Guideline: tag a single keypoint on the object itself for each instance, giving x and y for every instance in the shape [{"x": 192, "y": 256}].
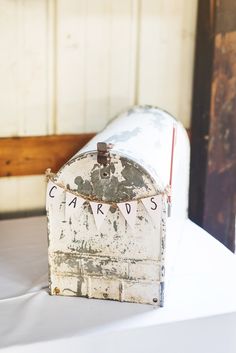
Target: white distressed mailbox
[{"x": 107, "y": 208}]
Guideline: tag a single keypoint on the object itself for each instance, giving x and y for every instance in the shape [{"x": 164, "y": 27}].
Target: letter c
[{"x": 50, "y": 192}]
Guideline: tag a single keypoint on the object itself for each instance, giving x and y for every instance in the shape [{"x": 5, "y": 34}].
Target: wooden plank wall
[
  {"x": 68, "y": 66},
  {"x": 20, "y": 156},
  {"x": 213, "y": 173}
]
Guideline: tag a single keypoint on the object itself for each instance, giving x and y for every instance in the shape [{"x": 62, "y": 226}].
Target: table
[{"x": 199, "y": 313}]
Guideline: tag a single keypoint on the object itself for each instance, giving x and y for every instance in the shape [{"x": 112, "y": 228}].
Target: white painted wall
[{"x": 68, "y": 66}]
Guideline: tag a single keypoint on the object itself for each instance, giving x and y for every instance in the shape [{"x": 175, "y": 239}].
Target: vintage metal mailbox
[{"x": 107, "y": 210}]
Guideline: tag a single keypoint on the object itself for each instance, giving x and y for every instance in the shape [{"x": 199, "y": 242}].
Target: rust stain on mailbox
[{"x": 115, "y": 260}]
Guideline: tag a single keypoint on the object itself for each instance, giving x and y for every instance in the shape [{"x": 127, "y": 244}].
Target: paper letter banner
[
  {"x": 153, "y": 206},
  {"x": 53, "y": 191},
  {"x": 128, "y": 210},
  {"x": 99, "y": 211},
  {"x": 73, "y": 204}
]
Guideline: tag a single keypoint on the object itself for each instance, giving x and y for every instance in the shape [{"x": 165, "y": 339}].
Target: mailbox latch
[{"x": 103, "y": 156}]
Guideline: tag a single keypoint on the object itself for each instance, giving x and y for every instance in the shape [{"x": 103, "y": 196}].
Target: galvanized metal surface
[{"x": 117, "y": 262}]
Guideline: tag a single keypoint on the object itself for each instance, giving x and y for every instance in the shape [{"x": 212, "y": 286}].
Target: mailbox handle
[{"x": 103, "y": 155}]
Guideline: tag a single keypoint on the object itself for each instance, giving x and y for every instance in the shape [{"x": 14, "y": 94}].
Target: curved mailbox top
[
  {"x": 144, "y": 135},
  {"x": 141, "y": 153}
]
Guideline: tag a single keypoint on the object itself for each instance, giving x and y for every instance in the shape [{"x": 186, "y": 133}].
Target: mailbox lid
[
  {"x": 123, "y": 179},
  {"x": 140, "y": 163},
  {"x": 139, "y": 166},
  {"x": 144, "y": 135}
]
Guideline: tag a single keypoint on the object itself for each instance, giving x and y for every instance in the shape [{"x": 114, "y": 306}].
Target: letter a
[{"x": 73, "y": 202}]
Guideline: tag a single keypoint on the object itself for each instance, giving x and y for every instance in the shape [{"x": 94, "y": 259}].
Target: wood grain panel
[
  {"x": 213, "y": 171},
  {"x": 33, "y": 155},
  {"x": 220, "y": 206}
]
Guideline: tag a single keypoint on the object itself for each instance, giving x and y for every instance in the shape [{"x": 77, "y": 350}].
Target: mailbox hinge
[{"x": 103, "y": 156}]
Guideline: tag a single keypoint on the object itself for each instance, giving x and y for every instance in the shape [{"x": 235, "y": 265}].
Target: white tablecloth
[{"x": 199, "y": 313}]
